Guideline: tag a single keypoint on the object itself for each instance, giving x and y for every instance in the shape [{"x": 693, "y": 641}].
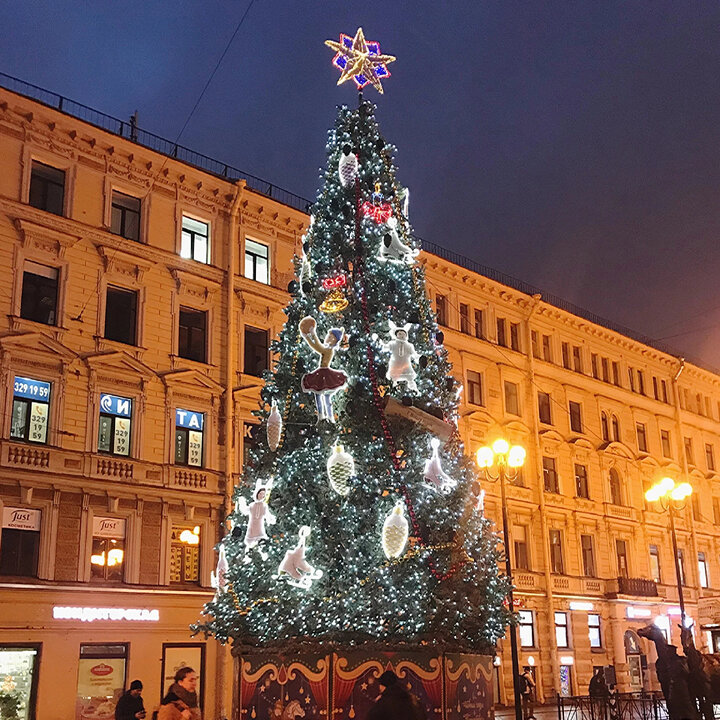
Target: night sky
[{"x": 574, "y": 145}]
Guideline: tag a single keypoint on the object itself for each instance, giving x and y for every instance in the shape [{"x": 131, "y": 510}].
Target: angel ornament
[
  {"x": 324, "y": 382},
  {"x": 402, "y": 353},
  {"x": 258, "y": 514},
  {"x": 297, "y": 570}
]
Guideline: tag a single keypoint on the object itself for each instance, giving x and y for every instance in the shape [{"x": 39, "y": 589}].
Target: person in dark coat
[
  {"x": 395, "y": 703},
  {"x": 130, "y": 706},
  {"x": 598, "y": 687}
]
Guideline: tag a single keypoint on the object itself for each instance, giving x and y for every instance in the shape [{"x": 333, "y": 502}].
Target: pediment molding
[
  {"x": 120, "y": 362},
  {"x": 189, "y": 378},
  {"x": 123, "y": 264},
  {"x": 53, "y": 238},
  {"x": 194, "y": 286},
  {"x": 36, "y": 346}
]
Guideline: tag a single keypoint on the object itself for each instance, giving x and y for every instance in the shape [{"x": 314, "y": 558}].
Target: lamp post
[
  {"x": 671, "y": 497},
  {"x": 506, "y": 460}
]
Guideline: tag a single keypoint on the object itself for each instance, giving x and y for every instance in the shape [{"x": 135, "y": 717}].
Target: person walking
[
  {"x": 395, "y": 702},
  {"x": 598, "y": 687},
  {"x": 181, "y": 701},
  {"x": 130, "y": 705},
  {"x": 527, "y": 691}
]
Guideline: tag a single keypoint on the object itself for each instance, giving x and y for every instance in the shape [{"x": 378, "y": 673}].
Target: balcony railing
[{"x": 638, "y": 587}]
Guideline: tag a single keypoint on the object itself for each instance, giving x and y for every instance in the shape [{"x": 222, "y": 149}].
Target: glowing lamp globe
[
  {"x": 682, "y": 491},
  {"x": 484, "y": 457},
  {"x": 666, "y": 485},
  {"x": 516, "y": 457},
  {"x": 501, "y": 446}
]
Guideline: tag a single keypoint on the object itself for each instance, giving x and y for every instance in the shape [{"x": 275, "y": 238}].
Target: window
[
  {"x": 250, "y": 440},
  {"x": 615, "y": 482},
  {"x": 534, "y": 343},
  {"x": 681, "y": 566},
  {"x": 20, "y": 541},
  {"x": 522, "y": 560},
  {"x": 594, "y": 630},
  {"x": 47, "y": 188},
  {"x": 622, "y": 561},
  {"x": 616, "y": 373},
  {"x": 526, "y": 627},
  {"x": 654, "y": 563},
  {"x": 547, "y": 348},
  {"x": 605, "y": 370},
  {"x": 703, "y": 571},
  {"x": 108, "y": 549},
  {"x": 121, "y": 315},
  {"x": 441, "y": 307},
  {"x": 695, "y": 503},
  {"x": 665, "y": 442},
  {"x": 689, "y": 451},
  {"x": 663, "y": 385},
  {"x": 185, "y": 554},
  {"x": 464, "y": 319},
  {"x": 556, "y": 554},
  {"x": 581, "y": 481},
  {"x": 255, "y": 351},
  {"x": 474, "y": 388},
  {"x": 544, "y": 408},
  {"x": 194, "y": 240},
  {"x": 577, "y": 359},
  {"x": 512, "y": 404},
  {"x": 604, "y": 426},
  {"x": 515, "y": 336},
  {"x": 656, "y": 390},
  {"x": 575, "y": 417},
  {"x": 501, "y": 332},
  {"x": 550, "y": 475},
  {"x": 565, "y": 351},
  {"x": 479, "y": 324},
  {"x": 641, "y": 382},
  {"x": 615, "y": 429},
  {"x": 39, "y": 293},
  {"x": 594, "y": 366},
  {"x": 561, "y": 630},
  {"x": 30, "y": 413},
  {"x": 710, "y": 456},
  {"x": 189, "y": 437},
  {"x": 716, "y": 510},
  {"x": 641, "y": 437},
  {"x": 257, "y": 261},
  {"x": 114, "y": 427},
  {"x": 588, "y": 555},
  {"x": 100, "y": 678},
  {"x": 125, "y": 216},
  {"x": 192, "y": 334},
  {"x": 631, "y": 378}
]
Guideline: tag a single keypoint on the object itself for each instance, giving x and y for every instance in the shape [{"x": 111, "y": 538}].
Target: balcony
[{"x": 637, "y": 587}]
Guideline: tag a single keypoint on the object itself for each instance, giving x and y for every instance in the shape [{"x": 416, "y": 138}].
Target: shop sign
[
  {"x": 31, "y": 389},
  {"x": 100, "y": 684},
  {"x": 107, "y": 527},
  {"x": 189, "y": 419},
  {"x": 15, "y": 518},
  {"x": 90, "y": 614},
  {"x": 114, "y": 405}
]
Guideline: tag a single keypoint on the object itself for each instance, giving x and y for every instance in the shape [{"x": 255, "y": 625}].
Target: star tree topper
[{"x": 360, "y": 60}]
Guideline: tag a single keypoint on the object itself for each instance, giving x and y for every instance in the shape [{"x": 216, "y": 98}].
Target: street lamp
[
  {"x": 671, "y": 497},
  {"x": 507, "y": 462}
]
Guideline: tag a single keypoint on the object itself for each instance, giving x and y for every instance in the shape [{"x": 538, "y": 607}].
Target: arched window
[
  {"x": 615, "y": 429},
  {"x": 615, "y": 487},
  {"x": 604, "y": 426}
]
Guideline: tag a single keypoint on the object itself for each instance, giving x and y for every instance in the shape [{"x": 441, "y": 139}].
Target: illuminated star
[{"x": 360, "y": 60}]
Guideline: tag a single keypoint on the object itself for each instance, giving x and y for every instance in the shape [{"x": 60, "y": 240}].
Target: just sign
[
  {"x": 189, "y": 419},
  {"x": 114, "y": 405}
]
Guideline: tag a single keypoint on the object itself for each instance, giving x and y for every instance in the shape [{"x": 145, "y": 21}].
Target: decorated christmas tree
[{"x": 358, "y": 519}]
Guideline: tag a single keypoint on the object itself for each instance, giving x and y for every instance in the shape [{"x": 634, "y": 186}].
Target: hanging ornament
[
  {"x": 360, "y": 60},
  {"x": 295, "y": 568},
  {"x": 274, "y": 427},
  {"x": 404, "y": 198},
  {"x": 340, "y": 468},
  {"x": 434, "y": 474},
  {"x": 323, "y": 382},
  {"x": 347, "y": 167},
  {"x": 218, "y": 578},
  {"x": 377, "y": 196},
  {"x": 379, "y": 213},
  {"x": 305, "y": 268},
  {"x": 258, "y": 514},
  {"x": 402, "y": 353},
  {"x": 336, "y": 300},
  {"x": 395, "y": 532},
  {"x": 393, "y": 249}
]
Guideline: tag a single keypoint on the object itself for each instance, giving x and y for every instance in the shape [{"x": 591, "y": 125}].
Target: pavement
[{"x": 542, "y": 712}]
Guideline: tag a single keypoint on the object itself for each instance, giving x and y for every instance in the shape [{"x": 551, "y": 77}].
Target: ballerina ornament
[{"x": 323, "y": 382}]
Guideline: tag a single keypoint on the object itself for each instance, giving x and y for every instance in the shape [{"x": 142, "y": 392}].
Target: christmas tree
[{"x": 359, "y": 520}]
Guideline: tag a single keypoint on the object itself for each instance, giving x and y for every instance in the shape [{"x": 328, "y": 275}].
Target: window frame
[
  {"x": 522, "y": 559},
  {"x": 113, "y": 417},
  {"x": 557, "y": 564},
  {"x": 202, "y": 221},
  {"x": 189, "y": 310},
  {"x": 250, "y": 330},
  {"x": 254, "y": 256},
  {"x": 576, "y": 427},
  {"x": 123, "y": 212},
  {"x": 119, "y": 289},
  {"x": 475, "y": 388},
  {"x": 654, "y": 552},
  {"x": 28, "y": 403},
  {"x": 562, "y": 629},
  {"x": 544, "y": 408},
  {"x": 525, "y": 622},
  {"x": 595, "y": 626},
  {"x": 581, "y": 481},
  {"x": 26, "y": 270},
  {"x": 550, "y": 473},
  {"x": 666, "y": 443},
  {"x": 516, "y": 386},
  {"x": 63, "y": 201},
  {"x": 620, "y": 557},
  {"x": 710, "y": 457},
  {"x": 703, "y": 570},
  {"x": 465, "y": 318},
  {"x": 588, "y": 556},
  {"x": 185, "y": 432},
  {"x": 641, "y": 436}
]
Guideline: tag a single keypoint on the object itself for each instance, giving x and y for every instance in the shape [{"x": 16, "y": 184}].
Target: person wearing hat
[
  {"x": 130, "y": 706},
  {"x": 395, "y": 702}
]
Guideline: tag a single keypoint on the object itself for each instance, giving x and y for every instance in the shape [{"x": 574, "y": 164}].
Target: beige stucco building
[{"x": 139, "y": 298}]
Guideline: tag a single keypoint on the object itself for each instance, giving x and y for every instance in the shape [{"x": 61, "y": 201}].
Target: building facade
[{"x": 140, "y": 297}]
